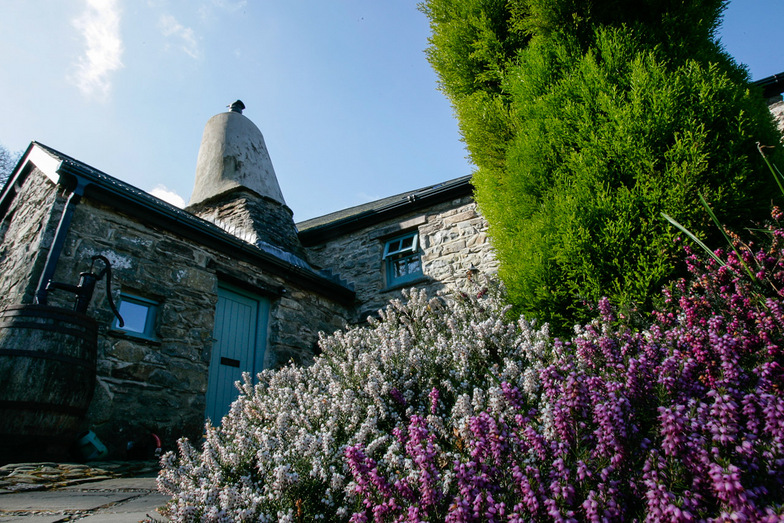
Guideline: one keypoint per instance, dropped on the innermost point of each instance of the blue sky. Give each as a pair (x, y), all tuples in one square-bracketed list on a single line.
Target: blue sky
[(341, 89)]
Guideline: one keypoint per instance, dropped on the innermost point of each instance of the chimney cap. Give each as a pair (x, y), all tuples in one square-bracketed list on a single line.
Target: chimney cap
[(237, 107), (233, 155)]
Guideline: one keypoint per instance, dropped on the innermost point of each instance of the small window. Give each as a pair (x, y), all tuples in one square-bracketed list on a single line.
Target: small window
[(138, 314), (403, 260)]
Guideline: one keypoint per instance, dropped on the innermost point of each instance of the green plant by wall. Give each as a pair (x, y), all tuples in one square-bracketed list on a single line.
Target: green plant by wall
[(586, 121)]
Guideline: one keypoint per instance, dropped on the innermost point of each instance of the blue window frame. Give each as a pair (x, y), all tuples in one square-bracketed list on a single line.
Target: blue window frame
[(403, 259), (138, 314)]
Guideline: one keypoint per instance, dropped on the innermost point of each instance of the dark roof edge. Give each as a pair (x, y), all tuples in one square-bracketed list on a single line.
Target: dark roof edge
[(140, 204), (387, 208), (772, 85)]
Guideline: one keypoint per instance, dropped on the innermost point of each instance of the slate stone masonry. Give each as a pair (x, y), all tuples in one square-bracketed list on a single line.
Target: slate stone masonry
[(26, 232), (159, 385), (453, 240), (252, 217)]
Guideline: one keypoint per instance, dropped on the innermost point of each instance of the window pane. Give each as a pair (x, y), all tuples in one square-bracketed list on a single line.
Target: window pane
[(405, 244), (134, 315), (399, 268), (403, 263), (405, 266)]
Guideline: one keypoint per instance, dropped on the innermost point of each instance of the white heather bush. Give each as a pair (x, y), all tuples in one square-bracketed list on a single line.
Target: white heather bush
[(279, 453)]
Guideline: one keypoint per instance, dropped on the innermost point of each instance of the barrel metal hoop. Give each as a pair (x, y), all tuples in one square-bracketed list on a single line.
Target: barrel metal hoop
[(47, 327), (36, 406), (47, 312), (39, 354)]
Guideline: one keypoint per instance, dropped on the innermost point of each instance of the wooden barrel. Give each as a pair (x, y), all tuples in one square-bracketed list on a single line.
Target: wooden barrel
[(47, 373)]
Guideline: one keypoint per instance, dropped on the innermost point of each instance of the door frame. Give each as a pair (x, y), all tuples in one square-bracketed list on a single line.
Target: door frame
[(260, 341)]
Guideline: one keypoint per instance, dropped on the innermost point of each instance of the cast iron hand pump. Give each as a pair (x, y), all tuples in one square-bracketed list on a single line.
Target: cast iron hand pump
[(84, 290)]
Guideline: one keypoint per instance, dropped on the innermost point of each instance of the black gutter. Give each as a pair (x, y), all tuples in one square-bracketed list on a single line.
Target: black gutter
[(772, 85)]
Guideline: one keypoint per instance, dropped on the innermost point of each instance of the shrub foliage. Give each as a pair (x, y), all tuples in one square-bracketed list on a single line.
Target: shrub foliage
[(444, 411), (279, 453), (588, 119)]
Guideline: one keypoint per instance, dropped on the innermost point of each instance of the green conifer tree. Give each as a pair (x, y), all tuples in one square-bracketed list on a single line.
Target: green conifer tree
[(586, 120)]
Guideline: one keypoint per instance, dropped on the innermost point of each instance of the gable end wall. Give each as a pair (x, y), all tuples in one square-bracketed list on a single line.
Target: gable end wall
[(26, 233), (452, 238)]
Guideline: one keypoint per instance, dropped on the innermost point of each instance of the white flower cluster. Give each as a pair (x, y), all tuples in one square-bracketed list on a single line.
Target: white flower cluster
[(279, 453)]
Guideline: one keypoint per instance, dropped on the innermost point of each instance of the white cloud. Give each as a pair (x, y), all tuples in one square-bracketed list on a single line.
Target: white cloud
[(171, 27), (167, 195), (99, 24)]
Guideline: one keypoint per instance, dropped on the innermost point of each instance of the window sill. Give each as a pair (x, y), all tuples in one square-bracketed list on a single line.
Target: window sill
[(409, 284), (140, 338)]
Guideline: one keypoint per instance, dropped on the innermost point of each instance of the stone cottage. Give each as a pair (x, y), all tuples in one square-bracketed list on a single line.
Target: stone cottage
[(432, 238), (227, 285)]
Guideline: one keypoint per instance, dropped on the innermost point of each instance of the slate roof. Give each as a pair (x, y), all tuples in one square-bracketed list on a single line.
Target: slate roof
[(149, 209), (360, 216)]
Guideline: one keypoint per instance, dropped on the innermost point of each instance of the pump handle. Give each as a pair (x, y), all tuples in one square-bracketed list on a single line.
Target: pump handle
[(108, 271)]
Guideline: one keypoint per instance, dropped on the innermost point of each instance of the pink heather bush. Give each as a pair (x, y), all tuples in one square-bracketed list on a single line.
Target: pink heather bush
[(443, 411)]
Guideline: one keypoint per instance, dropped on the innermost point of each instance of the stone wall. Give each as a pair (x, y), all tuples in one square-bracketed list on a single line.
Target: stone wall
[(159, 385), (453, 240), (252, 217), (26, 233)]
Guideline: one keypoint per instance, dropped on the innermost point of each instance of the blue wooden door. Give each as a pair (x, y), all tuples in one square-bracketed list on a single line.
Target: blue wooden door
[(240, 338)]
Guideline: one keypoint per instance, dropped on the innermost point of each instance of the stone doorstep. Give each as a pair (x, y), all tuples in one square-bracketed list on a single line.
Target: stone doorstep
[(32, 518)]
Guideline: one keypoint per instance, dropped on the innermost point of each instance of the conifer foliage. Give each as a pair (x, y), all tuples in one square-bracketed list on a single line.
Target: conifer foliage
[(586, 120)]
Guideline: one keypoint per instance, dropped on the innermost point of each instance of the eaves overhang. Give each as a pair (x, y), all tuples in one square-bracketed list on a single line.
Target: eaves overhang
[(130, 200)]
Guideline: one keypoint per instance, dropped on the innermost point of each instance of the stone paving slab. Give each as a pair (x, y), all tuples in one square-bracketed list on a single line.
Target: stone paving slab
[(52, 493), (148, 502), (115, 484), (143, 508), (56, 518), (121, 518), (87, 506), (59, 500)]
